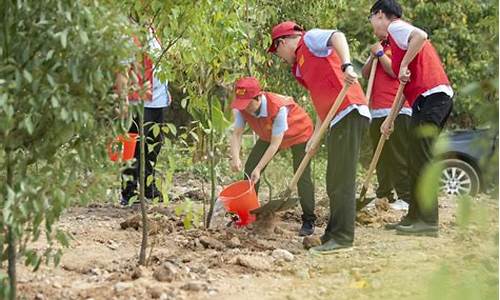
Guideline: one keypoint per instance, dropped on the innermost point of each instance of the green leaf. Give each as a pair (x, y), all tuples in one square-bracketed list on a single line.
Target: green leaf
[(429, 184), (54, 102), (27, 76), (64, 38), (64, 114), (194, 136), (156, 130), (49, 55), (184, 103), (51, 81), (149, 180), (172, 128), (61, 236), (84, 37), (165, 129), (29, 124), (57, 257)]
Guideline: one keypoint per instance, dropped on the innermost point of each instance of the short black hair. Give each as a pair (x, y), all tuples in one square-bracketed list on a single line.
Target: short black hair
[(391, 8)]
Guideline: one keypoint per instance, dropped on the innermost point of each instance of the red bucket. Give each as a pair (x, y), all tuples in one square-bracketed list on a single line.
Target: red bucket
[(123, 147), (240, 198)]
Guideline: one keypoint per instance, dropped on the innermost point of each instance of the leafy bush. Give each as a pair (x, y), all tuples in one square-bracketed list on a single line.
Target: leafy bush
[(57, 67)]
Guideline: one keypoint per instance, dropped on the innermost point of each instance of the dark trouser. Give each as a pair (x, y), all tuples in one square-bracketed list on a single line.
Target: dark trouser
[(305, 185), (344, 143), (392, 167), (130, 176), (429, 116)]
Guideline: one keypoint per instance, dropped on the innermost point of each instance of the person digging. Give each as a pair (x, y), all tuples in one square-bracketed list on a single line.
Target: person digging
[(280, 123), (429, 93), (392, 168), (321, 63)]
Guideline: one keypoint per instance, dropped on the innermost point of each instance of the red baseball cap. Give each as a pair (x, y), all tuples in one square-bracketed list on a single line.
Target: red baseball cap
[(245, 89), (284, 29)]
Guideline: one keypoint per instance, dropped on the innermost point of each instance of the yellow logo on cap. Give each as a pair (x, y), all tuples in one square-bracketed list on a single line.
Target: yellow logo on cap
[(241, 91)]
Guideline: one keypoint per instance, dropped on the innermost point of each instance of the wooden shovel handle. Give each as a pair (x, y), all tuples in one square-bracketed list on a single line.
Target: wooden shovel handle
[(396, 105), (318, 136), (371, 79)]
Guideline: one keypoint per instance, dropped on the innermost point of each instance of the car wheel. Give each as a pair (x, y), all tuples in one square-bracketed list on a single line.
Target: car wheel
[(459, 178)]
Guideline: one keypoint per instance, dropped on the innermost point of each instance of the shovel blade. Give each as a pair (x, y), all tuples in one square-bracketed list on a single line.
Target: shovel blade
[(362, 201), (288, 204), (272, 206), (269, 207)]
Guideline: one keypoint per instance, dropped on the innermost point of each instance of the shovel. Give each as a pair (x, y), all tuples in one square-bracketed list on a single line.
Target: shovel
[(371, 79), (396, 106), (284, 200)]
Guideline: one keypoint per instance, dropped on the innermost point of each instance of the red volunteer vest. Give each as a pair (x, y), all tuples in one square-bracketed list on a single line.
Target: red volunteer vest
[(300, 126), (426, 70), (323, 78), (141, 74), (385, 87)]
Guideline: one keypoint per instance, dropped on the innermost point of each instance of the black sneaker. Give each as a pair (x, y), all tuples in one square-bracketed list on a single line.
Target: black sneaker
[(127, 201), (123, 201), (126, 197), (418, 228), (307, 228), (405, 221), (330, 247)]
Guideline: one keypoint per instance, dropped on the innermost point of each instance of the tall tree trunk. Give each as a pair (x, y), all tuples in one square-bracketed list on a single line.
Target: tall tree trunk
[(11, 250), (142, 180), (212, 164), (11, 235)]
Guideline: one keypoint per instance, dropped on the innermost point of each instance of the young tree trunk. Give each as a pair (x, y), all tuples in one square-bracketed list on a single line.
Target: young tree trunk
[(11, 237), (212, 165), (142, 180), (12, 261)]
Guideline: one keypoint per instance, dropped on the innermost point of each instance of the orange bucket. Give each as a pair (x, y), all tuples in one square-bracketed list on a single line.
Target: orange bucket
[(240, 198), (123, 147)]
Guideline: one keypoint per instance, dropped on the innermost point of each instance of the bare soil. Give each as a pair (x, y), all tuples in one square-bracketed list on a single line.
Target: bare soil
[(236, 263)]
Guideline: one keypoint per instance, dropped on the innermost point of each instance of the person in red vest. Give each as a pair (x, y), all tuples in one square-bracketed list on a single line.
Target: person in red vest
[(142, 84), (280, 123), (321, 63), (392, 168), (428, 91)]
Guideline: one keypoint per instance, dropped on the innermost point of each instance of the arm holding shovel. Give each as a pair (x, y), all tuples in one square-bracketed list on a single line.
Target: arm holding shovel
[(310, 142), (339, 44), (416, 41), (377, 53), (387, 126)]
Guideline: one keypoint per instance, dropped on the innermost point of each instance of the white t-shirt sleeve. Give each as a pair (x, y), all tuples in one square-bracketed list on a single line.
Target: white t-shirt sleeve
[(316, 41), (400, 32), (280, 124), (239, 121)]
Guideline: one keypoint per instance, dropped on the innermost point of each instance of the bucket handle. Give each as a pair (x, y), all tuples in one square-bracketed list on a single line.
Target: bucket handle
[(251, 187)]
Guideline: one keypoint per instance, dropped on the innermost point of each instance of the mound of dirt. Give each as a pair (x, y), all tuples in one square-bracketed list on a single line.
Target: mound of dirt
[(156, 224)]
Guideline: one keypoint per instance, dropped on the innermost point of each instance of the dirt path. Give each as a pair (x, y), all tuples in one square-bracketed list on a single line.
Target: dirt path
[(235, 264)]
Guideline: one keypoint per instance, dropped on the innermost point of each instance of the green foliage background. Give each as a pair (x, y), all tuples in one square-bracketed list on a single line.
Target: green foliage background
[(58, 60), (223, 36)]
